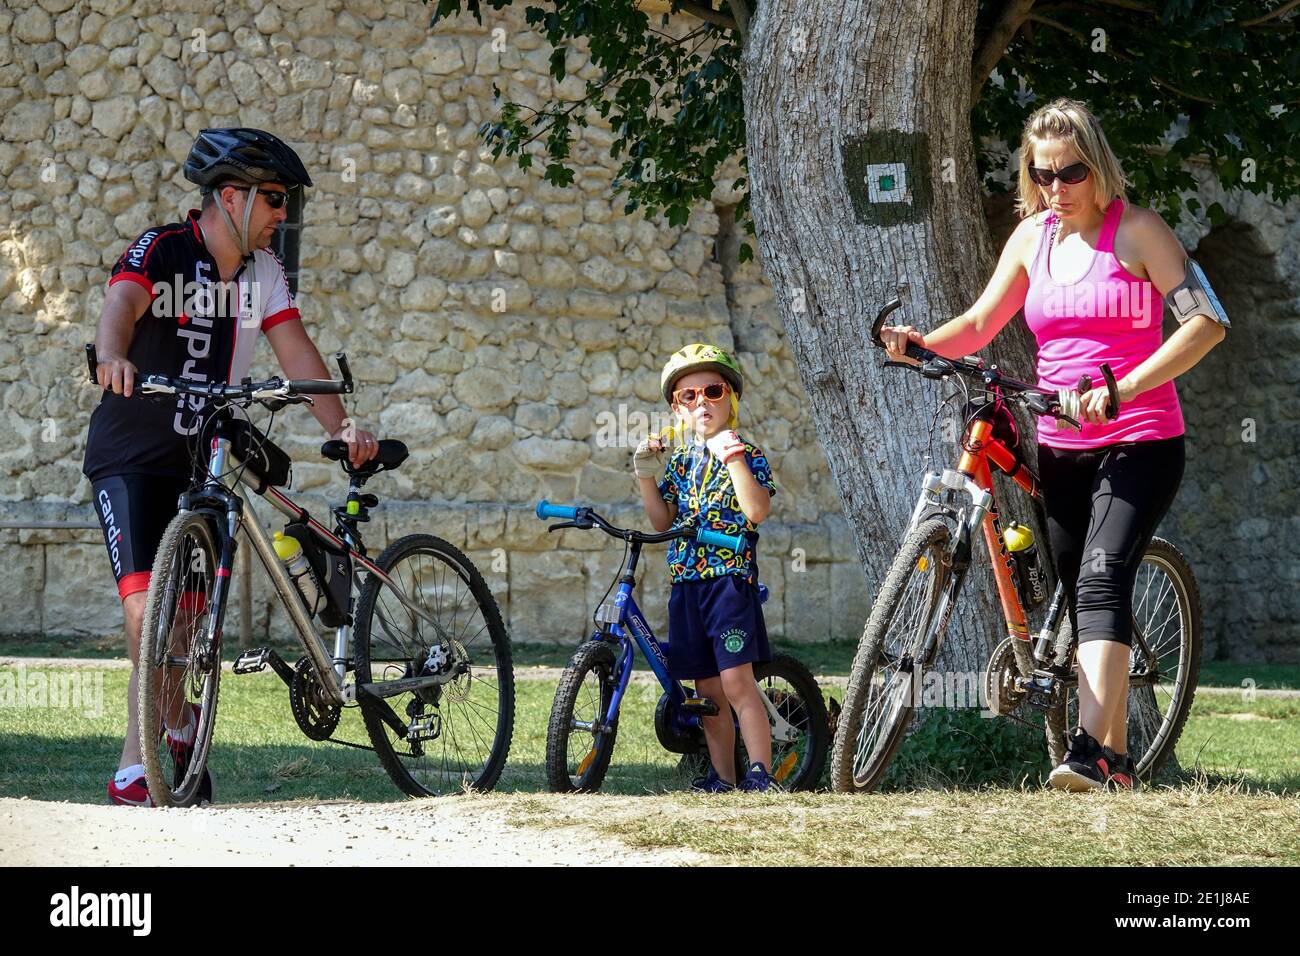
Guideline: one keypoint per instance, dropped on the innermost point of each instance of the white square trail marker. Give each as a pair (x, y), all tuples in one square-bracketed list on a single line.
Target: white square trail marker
[(887, 182)]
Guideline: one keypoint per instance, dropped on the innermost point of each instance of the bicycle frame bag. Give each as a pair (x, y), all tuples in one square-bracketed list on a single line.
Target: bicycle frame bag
[(264, 459), (333, 569)]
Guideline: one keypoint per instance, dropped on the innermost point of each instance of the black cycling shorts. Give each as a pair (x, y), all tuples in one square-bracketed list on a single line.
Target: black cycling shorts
[(134, 511), (1103, 506)]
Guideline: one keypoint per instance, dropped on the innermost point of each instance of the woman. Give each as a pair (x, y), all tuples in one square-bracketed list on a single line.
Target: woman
[(1092, 273)]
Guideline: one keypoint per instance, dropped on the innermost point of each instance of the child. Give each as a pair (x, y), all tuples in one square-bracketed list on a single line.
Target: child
[(718, 481)]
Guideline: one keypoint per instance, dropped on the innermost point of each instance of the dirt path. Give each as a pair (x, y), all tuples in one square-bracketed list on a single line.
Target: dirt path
[(464, 831)]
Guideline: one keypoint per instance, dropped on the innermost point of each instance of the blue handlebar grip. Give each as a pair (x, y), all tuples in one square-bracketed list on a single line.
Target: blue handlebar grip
[(547, 510), (736, 542)]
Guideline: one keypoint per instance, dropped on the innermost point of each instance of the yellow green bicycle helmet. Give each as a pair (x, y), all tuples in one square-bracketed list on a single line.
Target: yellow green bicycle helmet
[(699, 357)]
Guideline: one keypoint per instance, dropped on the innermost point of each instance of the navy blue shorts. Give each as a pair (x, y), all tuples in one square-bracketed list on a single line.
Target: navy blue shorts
[(714, 624)]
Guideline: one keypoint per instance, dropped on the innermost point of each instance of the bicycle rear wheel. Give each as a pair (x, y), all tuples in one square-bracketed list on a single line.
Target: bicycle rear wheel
[(457, 731), (797, 713), (890, 660), (180, 668), (1164, 663)]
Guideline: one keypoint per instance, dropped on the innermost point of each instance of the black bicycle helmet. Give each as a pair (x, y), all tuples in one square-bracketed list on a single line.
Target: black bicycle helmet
[(245, 155)]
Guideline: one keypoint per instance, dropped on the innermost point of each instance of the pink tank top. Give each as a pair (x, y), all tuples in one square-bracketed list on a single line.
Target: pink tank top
[(1107, 315)]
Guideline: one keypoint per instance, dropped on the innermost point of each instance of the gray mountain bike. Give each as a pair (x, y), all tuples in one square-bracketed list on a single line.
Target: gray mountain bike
[(419, 646)]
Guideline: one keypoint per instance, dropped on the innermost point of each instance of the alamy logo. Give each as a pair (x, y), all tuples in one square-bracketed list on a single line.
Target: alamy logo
[(103, 909)]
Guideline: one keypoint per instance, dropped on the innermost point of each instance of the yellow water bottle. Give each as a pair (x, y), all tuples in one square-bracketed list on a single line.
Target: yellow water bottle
[(1029, 569), (289, 550)]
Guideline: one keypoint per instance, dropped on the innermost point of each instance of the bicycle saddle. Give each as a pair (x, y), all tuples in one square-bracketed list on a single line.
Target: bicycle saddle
[(391, 454)]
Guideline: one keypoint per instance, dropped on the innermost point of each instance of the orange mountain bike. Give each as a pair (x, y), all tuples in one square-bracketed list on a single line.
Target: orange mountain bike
[(907, 622)]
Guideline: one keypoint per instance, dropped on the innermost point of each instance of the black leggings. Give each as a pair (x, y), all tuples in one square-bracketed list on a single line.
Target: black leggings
[(1103, 506)]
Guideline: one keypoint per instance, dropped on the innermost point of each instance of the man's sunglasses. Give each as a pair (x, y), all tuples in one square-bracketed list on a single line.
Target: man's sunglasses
[(1070, 175), (275, 200), (714, 392)]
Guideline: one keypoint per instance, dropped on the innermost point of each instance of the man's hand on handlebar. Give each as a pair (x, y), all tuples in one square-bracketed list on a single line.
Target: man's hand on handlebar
[(896, 338)]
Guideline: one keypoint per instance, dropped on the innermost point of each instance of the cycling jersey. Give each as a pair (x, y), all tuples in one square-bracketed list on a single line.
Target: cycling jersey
[(701, 488), (196, 328)]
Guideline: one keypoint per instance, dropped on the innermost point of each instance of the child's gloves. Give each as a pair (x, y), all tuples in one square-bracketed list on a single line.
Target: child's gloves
[(646, 458), (725, 446)]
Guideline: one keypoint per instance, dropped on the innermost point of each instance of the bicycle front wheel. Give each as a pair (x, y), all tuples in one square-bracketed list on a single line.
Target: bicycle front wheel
[(578, 745), (456, 727), (1164, 663), (179, 664), (890, 660)]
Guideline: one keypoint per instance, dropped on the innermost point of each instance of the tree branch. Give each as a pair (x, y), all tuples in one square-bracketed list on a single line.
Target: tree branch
[(707, 13), (740, 10), (1038, 18), (995, 44), (1130, 5), (1055, 25), (1272, 14)]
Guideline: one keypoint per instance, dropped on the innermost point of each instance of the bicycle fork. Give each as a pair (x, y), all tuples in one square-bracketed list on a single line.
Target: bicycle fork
[(976, 517)]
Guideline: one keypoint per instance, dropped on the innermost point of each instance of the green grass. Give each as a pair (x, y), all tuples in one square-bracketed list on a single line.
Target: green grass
[(1234, 804), (1193, 826)]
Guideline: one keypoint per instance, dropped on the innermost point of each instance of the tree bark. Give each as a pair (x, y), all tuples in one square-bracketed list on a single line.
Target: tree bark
[(836, 91)]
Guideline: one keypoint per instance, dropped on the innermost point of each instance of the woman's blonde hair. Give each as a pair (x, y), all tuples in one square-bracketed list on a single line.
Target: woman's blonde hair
[(1069, 121)]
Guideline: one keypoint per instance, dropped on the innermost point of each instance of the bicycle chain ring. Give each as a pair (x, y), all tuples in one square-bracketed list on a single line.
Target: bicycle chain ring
[(1000, 679), (665, 730), (316, 714)]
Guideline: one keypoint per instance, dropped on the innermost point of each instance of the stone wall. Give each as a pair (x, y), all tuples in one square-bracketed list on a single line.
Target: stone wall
[(505, 329), (510, 332)]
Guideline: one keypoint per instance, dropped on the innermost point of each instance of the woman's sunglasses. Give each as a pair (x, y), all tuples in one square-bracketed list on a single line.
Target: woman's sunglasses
[(1070, 175), (714, 392), (275, 200)]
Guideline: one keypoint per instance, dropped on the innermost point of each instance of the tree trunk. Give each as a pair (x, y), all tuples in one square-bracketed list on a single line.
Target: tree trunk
[(837, 91)]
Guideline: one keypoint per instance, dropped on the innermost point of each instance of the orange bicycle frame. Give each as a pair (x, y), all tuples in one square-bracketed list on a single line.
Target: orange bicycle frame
[(979, 450)]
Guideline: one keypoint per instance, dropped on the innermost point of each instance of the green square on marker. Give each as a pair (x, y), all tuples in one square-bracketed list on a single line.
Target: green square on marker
[(886, 183)]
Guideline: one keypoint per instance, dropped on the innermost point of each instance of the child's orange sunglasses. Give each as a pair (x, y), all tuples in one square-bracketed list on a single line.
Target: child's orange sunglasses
[(714, 392)]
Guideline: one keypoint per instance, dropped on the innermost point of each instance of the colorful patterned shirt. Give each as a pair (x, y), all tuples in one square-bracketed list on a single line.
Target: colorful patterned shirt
[(701, 488)]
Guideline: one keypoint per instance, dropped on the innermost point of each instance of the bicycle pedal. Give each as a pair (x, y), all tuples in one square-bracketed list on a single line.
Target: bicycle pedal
[(700, 707), (251, 661), (256, 659)]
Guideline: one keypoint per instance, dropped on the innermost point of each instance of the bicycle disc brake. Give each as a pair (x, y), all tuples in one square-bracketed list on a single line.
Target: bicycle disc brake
[(316, 714)]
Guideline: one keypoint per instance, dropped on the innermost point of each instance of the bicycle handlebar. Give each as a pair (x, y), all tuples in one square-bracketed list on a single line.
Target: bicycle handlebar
[(273, 389), (586, 518), (934, 365)]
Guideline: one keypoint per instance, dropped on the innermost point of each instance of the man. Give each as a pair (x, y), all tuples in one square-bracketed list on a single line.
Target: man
[(169, 311)]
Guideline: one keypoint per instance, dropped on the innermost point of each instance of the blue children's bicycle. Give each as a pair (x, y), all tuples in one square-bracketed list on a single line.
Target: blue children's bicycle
[(584, 717)]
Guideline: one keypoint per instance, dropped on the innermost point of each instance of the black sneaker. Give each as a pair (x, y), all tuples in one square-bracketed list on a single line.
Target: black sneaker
[(1086, 765), (1123, 775)]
